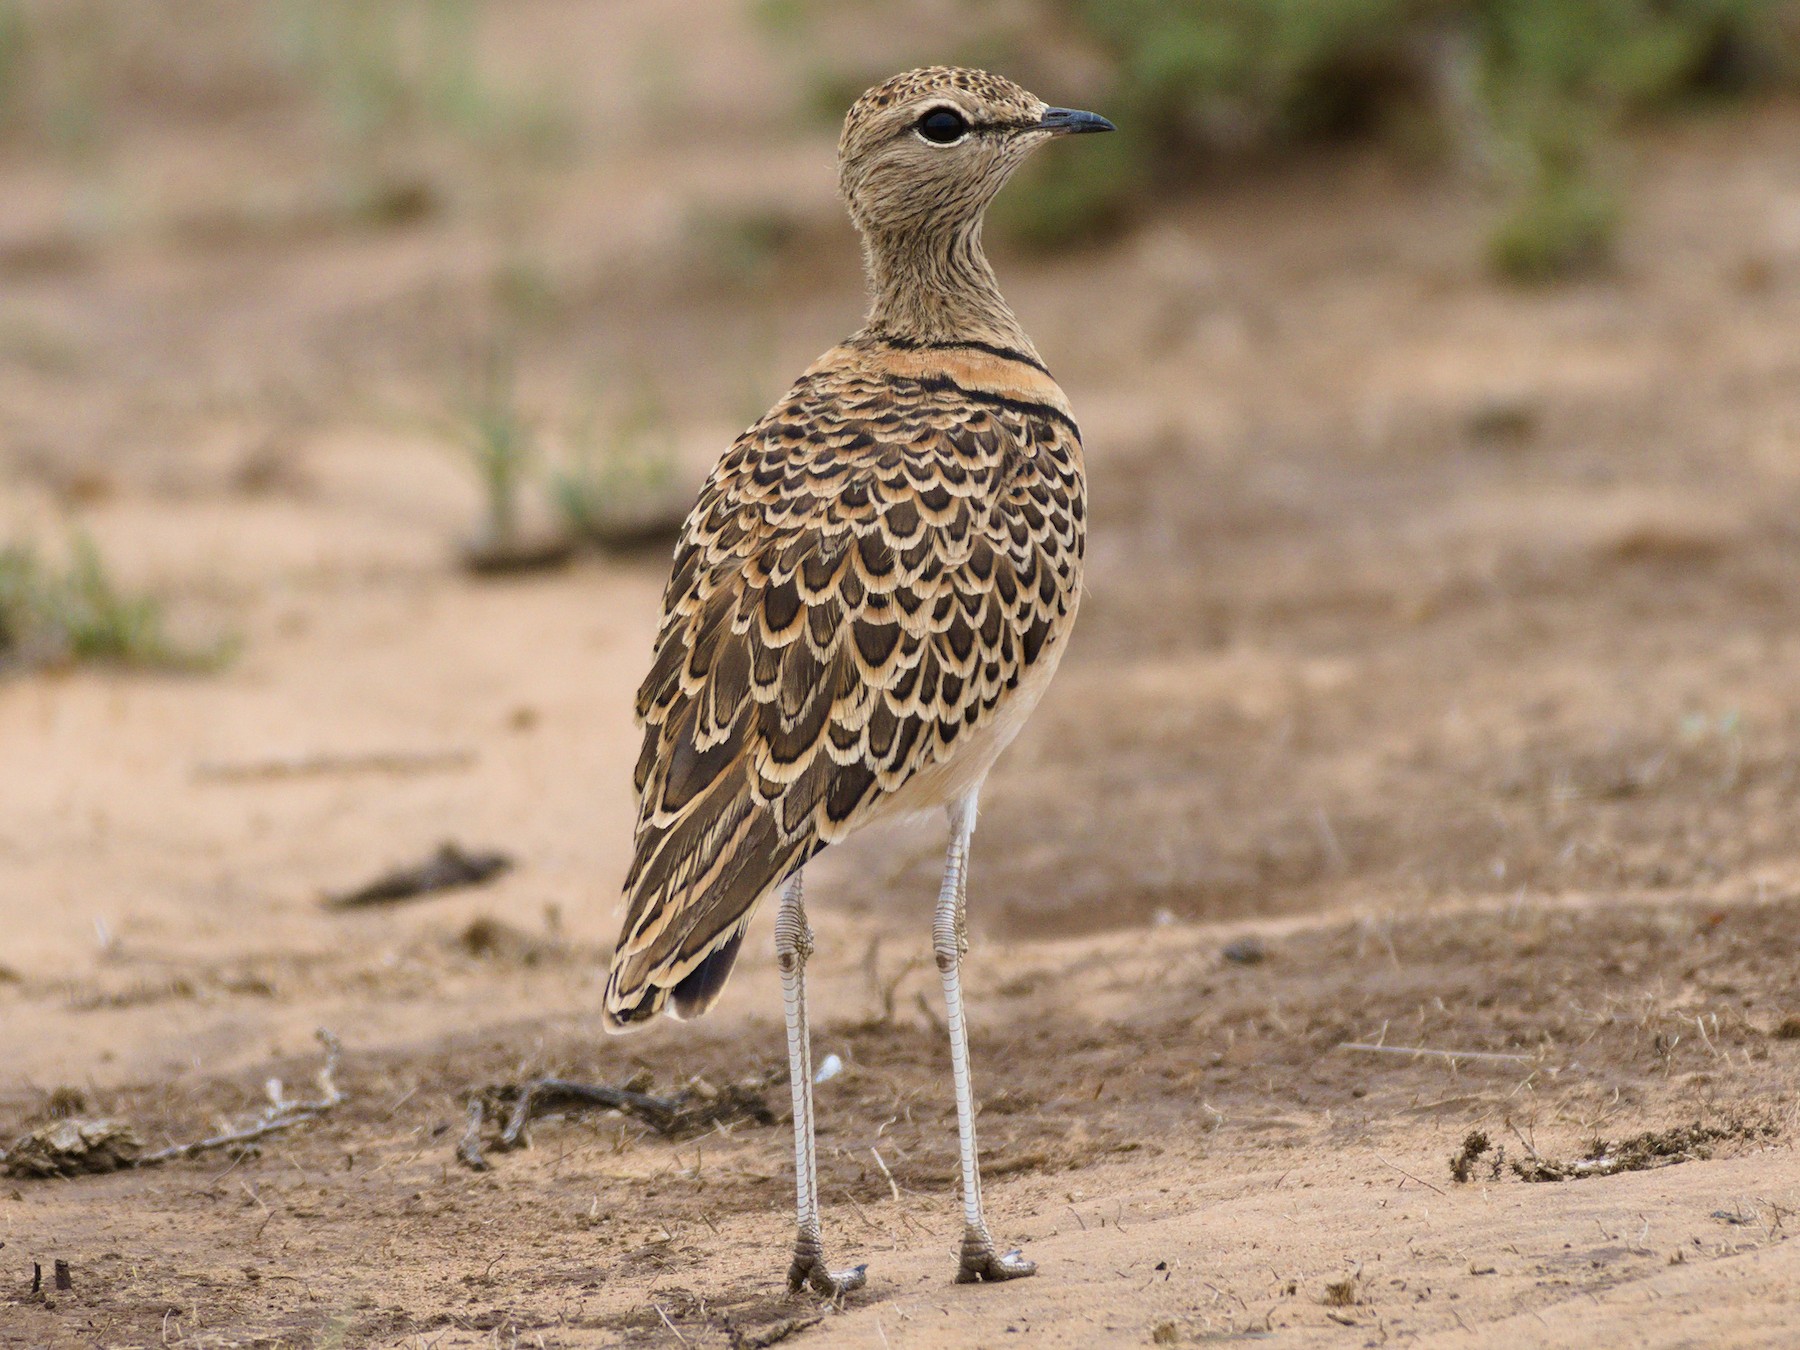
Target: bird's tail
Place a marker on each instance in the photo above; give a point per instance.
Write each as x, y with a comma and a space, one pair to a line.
692, 890
632, 1000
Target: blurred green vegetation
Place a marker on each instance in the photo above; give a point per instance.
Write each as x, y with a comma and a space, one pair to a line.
53, 616
1532, 94
493, 429
54, 63
377, 82
609, 478
1559, 77
388, 67
618, 485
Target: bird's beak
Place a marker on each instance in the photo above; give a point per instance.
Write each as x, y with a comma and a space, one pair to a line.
1069, 122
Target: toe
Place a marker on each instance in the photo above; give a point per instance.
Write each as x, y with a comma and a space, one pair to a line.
832, 1284
1012, 1266
988, 1267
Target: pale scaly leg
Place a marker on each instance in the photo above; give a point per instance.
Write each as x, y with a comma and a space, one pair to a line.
793, 944
980, 1260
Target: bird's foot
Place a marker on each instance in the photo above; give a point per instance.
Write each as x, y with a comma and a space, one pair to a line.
809, 1272
981, 1264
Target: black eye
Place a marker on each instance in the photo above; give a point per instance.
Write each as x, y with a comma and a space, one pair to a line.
942, 126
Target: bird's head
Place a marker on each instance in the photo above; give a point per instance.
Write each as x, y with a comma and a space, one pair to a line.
927, 151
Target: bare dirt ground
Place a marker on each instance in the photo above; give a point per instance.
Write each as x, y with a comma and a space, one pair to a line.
1435, 688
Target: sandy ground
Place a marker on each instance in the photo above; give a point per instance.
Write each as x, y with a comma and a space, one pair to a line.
1438, 659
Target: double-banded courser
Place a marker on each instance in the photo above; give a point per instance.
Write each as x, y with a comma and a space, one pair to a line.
867, 602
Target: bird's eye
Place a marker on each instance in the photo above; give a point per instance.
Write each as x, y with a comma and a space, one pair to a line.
943, 126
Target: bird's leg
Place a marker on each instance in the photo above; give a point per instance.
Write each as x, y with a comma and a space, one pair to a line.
980, 1260
793, 944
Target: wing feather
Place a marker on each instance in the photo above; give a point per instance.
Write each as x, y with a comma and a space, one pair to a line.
867, 572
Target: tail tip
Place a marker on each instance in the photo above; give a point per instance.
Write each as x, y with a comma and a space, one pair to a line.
620, 1015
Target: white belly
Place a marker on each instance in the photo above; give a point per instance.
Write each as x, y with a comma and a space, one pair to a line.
953, 779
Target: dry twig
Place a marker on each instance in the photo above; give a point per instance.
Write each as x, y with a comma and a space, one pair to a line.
76, 1147
279, 1115
468, 1148
774, 1335
695, 1109
673, 1329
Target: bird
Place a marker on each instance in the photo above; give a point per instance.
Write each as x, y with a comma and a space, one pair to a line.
870, 596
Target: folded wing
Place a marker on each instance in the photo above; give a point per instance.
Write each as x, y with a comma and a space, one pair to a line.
868, 573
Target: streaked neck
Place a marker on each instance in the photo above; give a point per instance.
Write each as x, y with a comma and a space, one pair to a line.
937, 287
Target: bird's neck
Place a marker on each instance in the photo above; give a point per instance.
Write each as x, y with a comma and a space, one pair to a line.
937, 286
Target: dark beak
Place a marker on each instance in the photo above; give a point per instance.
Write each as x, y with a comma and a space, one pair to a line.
1069, 122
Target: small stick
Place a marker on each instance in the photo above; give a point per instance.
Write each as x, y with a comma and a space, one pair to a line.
778, 1333
1417, 1050
1526, 1143
657, 1112
1408, 1175
893, 1185
468, 1148
669, 1116
279, 1116
886, 991
515, 1135
329, 1095
673, 1329
262, 1129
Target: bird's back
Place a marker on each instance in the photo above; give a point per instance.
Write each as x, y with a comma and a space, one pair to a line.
870, 593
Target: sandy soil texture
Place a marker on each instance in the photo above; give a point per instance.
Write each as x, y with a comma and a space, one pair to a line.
1435, 692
